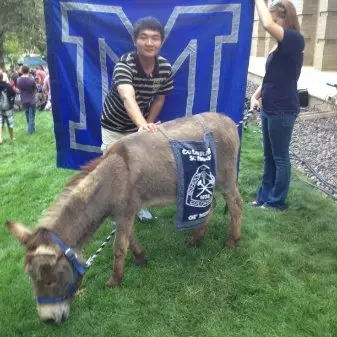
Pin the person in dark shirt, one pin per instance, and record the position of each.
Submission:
(26, 85)
(280, 101)
(6, 107)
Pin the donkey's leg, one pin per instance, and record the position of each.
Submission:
(198, 235)
(234, 203)
(123, 231)
(137, 250)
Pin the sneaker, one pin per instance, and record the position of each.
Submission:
(272, 208)
(144, 215)
(255, 203)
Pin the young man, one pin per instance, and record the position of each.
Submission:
(141, 79)
(7, 96)
(27, 86)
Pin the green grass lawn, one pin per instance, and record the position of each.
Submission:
(281, 281)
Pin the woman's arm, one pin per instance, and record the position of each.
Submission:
(269, 25)
(254, 101)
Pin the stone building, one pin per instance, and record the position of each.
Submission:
(318, 19)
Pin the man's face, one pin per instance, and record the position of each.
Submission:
(148, 43)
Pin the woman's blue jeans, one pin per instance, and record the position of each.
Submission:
(30, 117)
(276, 130)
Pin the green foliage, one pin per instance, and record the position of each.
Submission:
(13, 48)
(22, 21)
(281, 281)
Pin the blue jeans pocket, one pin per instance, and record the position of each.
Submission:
(288, 120)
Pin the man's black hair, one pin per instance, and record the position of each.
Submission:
(150, 23)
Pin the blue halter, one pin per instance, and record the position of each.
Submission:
(78, 270)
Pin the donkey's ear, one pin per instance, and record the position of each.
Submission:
(19, 231)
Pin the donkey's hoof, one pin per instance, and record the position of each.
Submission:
(112, 283)
(232, 243)
(140, 261)
(192, 242)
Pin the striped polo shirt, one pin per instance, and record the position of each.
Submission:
(129, 71)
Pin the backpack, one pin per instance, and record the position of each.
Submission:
(4, 103)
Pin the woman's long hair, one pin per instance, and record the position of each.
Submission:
(284, 9)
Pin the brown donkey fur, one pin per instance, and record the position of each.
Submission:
(137, 171)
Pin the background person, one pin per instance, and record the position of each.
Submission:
(27, 86)
(4, 75)
(47, 91)
(6, 107)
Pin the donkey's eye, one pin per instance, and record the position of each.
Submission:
(50, 283)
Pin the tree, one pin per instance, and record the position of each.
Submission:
(13, 47)
(24, 19)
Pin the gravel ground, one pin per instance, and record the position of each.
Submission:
(314, 141)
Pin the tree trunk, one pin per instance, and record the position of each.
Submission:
(2, 40)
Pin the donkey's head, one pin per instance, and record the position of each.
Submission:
(55, 271)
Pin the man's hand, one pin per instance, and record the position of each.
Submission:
(149, 127)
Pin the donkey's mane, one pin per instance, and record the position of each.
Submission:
(85, 170)
(62, 200)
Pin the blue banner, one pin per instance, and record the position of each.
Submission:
(207, 43)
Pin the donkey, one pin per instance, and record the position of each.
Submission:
(137, 171)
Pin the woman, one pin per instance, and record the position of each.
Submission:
(280, 103)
